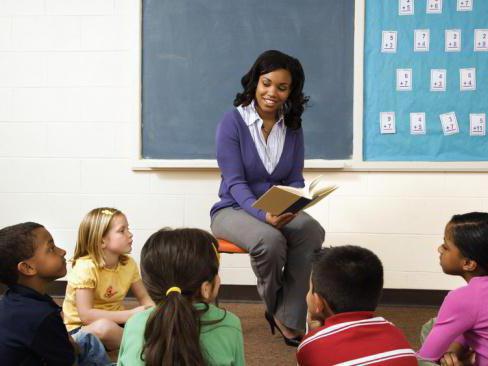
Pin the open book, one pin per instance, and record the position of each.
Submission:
(281, 199)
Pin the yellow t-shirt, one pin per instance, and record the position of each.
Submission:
(110, 285)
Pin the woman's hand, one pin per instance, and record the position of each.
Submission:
(278, 221)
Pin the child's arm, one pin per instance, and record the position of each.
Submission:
(88, 314)
(141, 294)
(52, 342)
(456, 315)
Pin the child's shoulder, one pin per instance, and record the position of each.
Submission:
(138, 320)
(477, 286)
(84, 263)
(226, 317)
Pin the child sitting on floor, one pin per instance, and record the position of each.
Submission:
(460, 332)
(180, 270)
(345, 288)
(31, 328)
(101, 276)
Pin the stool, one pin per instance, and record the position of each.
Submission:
(228, 248)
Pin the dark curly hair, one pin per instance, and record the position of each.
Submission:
(16, 245)
(267, 62)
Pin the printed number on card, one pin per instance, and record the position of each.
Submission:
(449, 123)
(406, 7)
(464, 5)
(404, 79)
(434, 7)
(387, 122)
(417, 123)
(421, 40)
(438, 79)
(477, 124)
(467, 79)
(481, 39)
(389, 41)
(453, 40)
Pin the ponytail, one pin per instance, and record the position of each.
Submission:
(172, 335)
(174, 264)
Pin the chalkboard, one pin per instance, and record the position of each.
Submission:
(194, 53)
(426, 98)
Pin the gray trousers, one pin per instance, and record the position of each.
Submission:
(281, 259)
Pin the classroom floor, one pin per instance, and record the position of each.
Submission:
(264, 349)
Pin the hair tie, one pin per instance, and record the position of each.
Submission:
(173, 289)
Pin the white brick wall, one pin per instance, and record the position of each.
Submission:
(68, 115)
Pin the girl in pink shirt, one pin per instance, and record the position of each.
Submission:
(460, 333)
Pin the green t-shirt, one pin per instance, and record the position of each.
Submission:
(222, 342)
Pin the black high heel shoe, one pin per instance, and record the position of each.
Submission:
(292, 342)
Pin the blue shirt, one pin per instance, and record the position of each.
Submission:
(32, 330)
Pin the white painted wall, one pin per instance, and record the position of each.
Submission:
(69, 87)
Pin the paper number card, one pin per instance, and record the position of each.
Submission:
(404, 79)
(387, 122)
(453, 40)
(406, 7)
(449, 123)
(467, 79)
(481, 39)
(434, 7)
(417, 123)
(477, 124)
(438, 81)
(421, 40)
(464, 5)
(389, 41)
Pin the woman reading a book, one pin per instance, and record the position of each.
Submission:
(259, 145)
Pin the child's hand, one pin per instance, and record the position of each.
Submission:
(452, 359)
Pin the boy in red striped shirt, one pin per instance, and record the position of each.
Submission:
(345, 288)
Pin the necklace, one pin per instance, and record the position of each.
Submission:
(266, 131)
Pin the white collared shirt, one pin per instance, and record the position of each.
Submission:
(269, 151)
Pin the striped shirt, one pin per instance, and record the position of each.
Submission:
(269, 151)
(353, 339)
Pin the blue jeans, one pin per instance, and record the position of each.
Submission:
(92, 351)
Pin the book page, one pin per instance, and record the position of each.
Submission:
(313, 184)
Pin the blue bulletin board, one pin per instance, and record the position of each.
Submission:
(425, 60)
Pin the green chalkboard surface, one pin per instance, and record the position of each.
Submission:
(194, 53)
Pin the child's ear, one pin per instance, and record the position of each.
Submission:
(26, 269)
(470, 265)
(206, 290)
(321, 306)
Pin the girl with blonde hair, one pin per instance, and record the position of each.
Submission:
(102, 273)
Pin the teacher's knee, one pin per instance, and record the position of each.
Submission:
(271, 246)
(313, 231)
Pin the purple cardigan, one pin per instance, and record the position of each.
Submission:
(244, 177)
